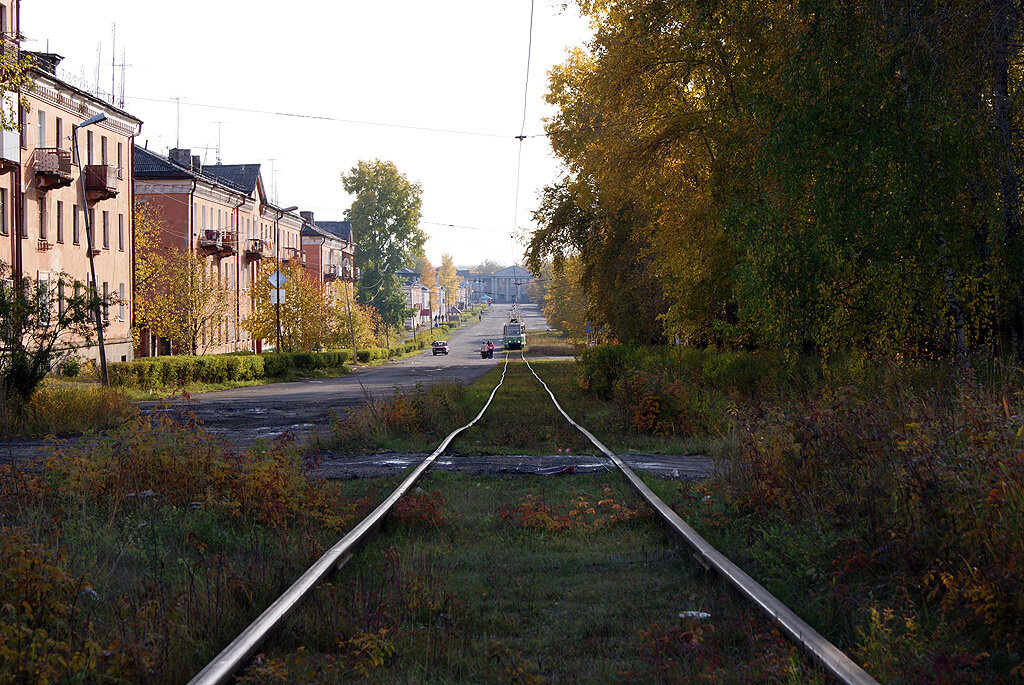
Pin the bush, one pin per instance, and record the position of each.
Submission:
(71, 366)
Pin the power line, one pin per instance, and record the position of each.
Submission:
(521, 137)
(320, 117)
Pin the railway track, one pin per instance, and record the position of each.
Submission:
(245, 645)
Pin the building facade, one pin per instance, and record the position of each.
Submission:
(220, 212)
(56, 210)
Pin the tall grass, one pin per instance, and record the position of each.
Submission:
(58, 408)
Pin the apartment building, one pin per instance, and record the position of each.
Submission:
(48, 197)
(221, 212)
(330, 249)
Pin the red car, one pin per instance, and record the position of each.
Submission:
(439, 347)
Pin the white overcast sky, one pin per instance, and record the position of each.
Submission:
(446, 64)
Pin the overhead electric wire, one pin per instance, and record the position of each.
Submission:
(521, 137)
(321, 117)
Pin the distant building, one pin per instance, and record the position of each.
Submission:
(504, 286)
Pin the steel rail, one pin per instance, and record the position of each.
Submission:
(249, 640)
(827, 654)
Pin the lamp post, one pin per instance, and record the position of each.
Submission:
(277, 240)
(95, 118)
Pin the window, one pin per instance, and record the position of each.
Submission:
(75, 233)
(42, 218)
(91, 228)
(120, 163)
(43, 279)
(41, 141)
(3, 211)
(88, 147)
(58, 128)
(106, 302)
(60, 221)
(60, 297)
(106, 230)
(103, 150)
(218, 220)
(204, 217)
(24, 207)
(120, 298)
(120, 232)
(23, 126)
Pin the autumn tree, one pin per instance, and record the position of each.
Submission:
(448, 278)
(186, 300)
(305, 314)
(428, 277)
(385, 215)
(488, 266)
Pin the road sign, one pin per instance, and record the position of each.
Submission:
(277, 296)
(277, 279)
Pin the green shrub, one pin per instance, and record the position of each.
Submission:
(278, 365)
(600, 367)
(71, 366)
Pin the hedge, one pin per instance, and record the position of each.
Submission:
(179, 371)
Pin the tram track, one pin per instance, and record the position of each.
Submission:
(243, 647)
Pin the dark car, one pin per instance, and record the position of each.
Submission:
(439, 347)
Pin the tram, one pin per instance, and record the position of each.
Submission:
(514, 334)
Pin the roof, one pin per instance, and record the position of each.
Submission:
(238, 176)
(341, 229)
(151, 165)
(513, 272)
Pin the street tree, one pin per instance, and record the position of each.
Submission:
(41, 322)
(187, 301)
(385, 215)
(306, 318)
(448, 277)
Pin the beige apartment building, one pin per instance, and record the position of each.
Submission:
(46, 194)
(222, 213)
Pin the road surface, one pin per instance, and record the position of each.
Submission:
(304, 407)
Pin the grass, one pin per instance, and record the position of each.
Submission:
(526, 580)
(522, 419)
(139, 555)
(549, 344)
(60, 408)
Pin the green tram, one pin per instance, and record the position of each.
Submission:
(514, 335)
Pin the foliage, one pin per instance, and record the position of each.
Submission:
(488, 266)
(428, 277)
(46, 631)
(385, 215)
(40, 321)
(565, 298)
(305, 316)
(448, 278)
(427, 411)
(185, 297)
(583, 512)
(181, 371)
(364, 324)
(821, 175)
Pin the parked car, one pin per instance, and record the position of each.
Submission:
(439, 347)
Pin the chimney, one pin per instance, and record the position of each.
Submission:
(307, 216)
(197, 165)
(180, 157)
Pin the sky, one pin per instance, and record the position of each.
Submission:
(449, 65)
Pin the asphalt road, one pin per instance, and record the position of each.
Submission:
(304, 407)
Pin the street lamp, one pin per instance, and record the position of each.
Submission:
(94, 119)
(277, 240)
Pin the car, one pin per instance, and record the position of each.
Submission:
(439, 347)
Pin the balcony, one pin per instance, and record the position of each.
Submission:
(100, 182)
(256, 248)
(210, 241)
(52, 167)
(332, 272)
(43, 245)
(292, 254)
(229, 243)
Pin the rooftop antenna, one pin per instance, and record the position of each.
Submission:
(219, 124)
(273, 179)
(113, 59)
(177, 134)
(99, 59)
(124, 70)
